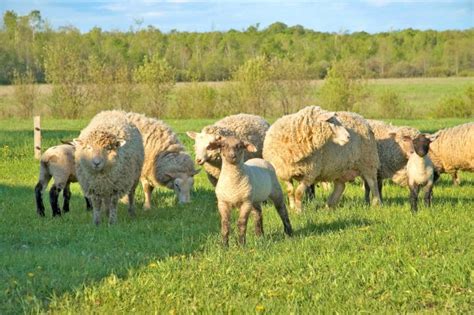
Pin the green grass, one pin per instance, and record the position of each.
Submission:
(169, 259)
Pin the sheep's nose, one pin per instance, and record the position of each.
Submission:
(199, 161)
(96, 161)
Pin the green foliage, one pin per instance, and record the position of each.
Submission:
(456, 106)
(25, 93)
(157, 78)
(253, 84)
(344, 87)
(391, 105)
(195, 100)
(169, 260)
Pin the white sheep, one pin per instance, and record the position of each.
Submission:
(392, 150)
(420, 170)
(250, 128)
(109, 158)
(453, 150)
(58, 163)
(245, 186)
(314, 145)
(166, 161)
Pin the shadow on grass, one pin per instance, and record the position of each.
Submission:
(49, 256)
(312, 228)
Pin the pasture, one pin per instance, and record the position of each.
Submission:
(169, 259)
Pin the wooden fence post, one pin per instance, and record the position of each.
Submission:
(37, 136)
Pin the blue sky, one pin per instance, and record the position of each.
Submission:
(188, 15)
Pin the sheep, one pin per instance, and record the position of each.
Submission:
(58, 163)
(315, 145)
(166, 162)
(109, 158)
(245, 185)
(391, 149)
(250, 128)
(420, 169)
(453, 150)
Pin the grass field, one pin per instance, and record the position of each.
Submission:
(169, 259)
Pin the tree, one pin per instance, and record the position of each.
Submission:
(158, 78)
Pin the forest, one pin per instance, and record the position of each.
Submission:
(27, 42)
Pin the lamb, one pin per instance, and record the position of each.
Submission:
(250, 128)
(420, 170)
(245, 185)
(58, 163)
(391, 149)
(166, 162)
(109, 158)
(453, 150)
(315, 145)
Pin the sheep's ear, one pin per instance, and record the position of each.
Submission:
(70, 142)
(120, 143)
(392, 134)
(250, 147)
(214, 145)
(171, 174)
(407, 139)
(76, 142)
(191, 134)
(195, 172)
(432, 137)
(218, 138)
(326, 116)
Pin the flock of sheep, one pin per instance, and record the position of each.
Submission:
(244, 157)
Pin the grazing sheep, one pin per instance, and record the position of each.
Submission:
(246, 127)
(166, 162)
(453, 150)
(109, 159)
(245, 185)
(420, 170)
(314, 145)
(58, 163)
(391, 149)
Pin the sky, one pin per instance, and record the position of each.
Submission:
(187, 15)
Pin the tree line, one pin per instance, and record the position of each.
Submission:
(28, 43)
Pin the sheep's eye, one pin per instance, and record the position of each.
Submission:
(176, 186)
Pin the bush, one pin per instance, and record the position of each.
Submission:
(344, 87)
(456, 106)
(194, 100)
(25, 93)
(391, 105)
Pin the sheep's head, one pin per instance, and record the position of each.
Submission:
(201, 142)
(340, 135)
(232, 149)
(98, 151)
(182, 184)
(419, 145)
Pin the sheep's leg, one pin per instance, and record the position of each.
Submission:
(336, 194)
(147, 189)
(96, 205)
(366, 192)
(380, 186)
(428, 194)
(299, 193)
(258, 217)
(53, 199)
(66, 197)
(88, 204)
(414, 189)
(244, 213)
(311, 192)
(456, 179)
(131, 199)
(279, 203)
(111, 204)
(290, 190)
(374, 188)
(39, 198)
(224, 210)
